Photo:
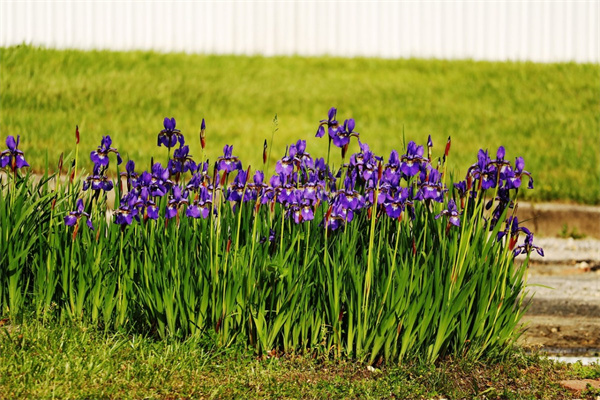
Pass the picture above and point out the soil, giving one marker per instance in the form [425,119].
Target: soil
[556,219]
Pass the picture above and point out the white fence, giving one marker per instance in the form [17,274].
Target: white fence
[542,31]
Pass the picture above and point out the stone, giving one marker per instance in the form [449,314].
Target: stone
[580,384]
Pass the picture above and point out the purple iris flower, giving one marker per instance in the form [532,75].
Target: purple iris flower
[432,187]
[484,170]
[196,182]
[178,198]
[313,188]
[268,195]
[411,161]
[182,161]
[199,178]
[255,189]
[391,175]
[502,167]
[13,156]
[452,213]
[286,193]
[130,174]
[307,212]
[358,159]
[342,137]
[526,247]
[202,205]
[202,168]
[285,166]
[276,181]
[393,162]
[100,156]
[520,171]
[128,209]
[320,165]
[461,187]
[510,180]
[394,202]
[98,181]
[228,162]
[338,216]
[300,209]
[147,206]
[499,162]
[343,206]
[237,188]
[350,198]
[130,169]
[74,216]
[170,136]
[513,229]
[300,156]
[369,190]
[158,182]
[146,180]
[365,162]
[393,209]
[322,170]
[159,172]
[332,124]
[259,179]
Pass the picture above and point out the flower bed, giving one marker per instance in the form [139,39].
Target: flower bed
[371,260]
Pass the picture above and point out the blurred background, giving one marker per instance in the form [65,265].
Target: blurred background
[541,31]
[487,73]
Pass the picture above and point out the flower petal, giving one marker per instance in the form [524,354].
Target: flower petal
[20,161]
[10,143]
[71,219]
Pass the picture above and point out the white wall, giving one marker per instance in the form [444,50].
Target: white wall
[490,30]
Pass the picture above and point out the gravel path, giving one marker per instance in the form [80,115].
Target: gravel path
[567,251]
[564,288]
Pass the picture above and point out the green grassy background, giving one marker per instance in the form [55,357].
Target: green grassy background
[547,113]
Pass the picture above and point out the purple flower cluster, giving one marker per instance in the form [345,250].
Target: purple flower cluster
[306,188]
[98,180]
[499,174]
[496,173]
[145,189]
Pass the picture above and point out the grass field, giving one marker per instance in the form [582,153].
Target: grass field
[71,362]
[547,113]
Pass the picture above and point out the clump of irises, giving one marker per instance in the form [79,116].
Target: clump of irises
[309,189]
[377,257]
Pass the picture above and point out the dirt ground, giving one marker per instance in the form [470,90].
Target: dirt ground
[556,219]
[565,336]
